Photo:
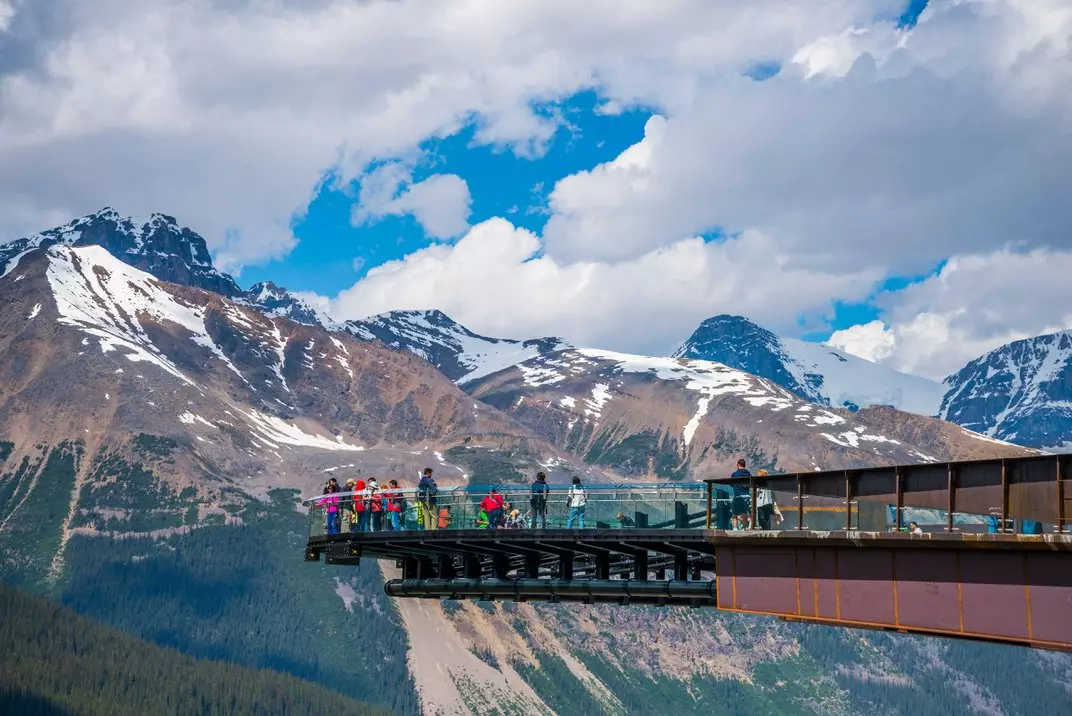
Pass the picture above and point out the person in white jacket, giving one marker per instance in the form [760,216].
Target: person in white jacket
[576,498]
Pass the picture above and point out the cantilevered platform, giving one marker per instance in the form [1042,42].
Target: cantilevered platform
[970,575]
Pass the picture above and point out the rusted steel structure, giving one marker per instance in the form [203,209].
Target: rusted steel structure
[1000,586]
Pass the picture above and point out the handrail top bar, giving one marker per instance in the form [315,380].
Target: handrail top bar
[635,488]
[855,471]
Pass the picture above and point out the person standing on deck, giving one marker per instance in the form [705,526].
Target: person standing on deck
[741,503]
[493,505]
[538,500]
[395,504]
[577,500]
[426,495]
[375,504]
[331,506]
[767,512]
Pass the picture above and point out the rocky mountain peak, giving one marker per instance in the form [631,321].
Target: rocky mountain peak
[1021,392]
[156,244]
[277,301]
[813,371]
[739,343]
[456,351]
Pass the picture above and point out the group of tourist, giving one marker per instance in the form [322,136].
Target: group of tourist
[362,506]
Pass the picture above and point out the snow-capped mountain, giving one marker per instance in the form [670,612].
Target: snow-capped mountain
[277,301]
[92,348]
[815,372]
[457,352]
[155,244]
[1020,392]
[672,417]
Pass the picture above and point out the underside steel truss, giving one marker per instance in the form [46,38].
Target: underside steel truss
[1014,589]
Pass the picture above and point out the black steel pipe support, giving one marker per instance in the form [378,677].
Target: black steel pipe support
[586,590]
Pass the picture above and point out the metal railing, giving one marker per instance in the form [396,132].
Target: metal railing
[1022,495]
[653,506]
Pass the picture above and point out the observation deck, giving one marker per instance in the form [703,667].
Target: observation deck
[993,561]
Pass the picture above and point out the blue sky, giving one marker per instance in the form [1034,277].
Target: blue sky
[500,183]
[333,253]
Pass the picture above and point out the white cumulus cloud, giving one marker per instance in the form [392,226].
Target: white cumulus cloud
[495,280]
[976,303]
[440,203]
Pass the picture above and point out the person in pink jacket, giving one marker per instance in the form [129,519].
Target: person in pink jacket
[330,500]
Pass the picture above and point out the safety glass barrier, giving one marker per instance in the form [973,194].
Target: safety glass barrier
[935,520]
[679,505]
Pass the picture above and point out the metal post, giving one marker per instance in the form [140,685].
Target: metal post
[681,566]
[641,564]
[445,567]
[800,502]
[952,496]
[900,498]
[565,566]
[848,501]
[1060,498]
[603,566]
[681,515]
[1004,496]
[754,515]
[711,489]
[532,565]
[500,565]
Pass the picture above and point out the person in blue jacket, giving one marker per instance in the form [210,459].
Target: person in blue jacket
[741,503]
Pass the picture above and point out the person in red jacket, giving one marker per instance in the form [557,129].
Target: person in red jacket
[375,504]
[393,495]
[493,505]
[361,515]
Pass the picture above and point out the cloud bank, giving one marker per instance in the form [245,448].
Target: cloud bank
[873,151]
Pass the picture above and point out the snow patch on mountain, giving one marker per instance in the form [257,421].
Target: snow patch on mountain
[706,378]
[457,352]
[277,302]
[109,300]
[275,430]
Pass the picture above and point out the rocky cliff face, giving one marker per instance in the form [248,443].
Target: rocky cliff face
[1020,392]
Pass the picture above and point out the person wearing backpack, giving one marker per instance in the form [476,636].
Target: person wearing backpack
[577,499]
[538,500]
[426,494]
